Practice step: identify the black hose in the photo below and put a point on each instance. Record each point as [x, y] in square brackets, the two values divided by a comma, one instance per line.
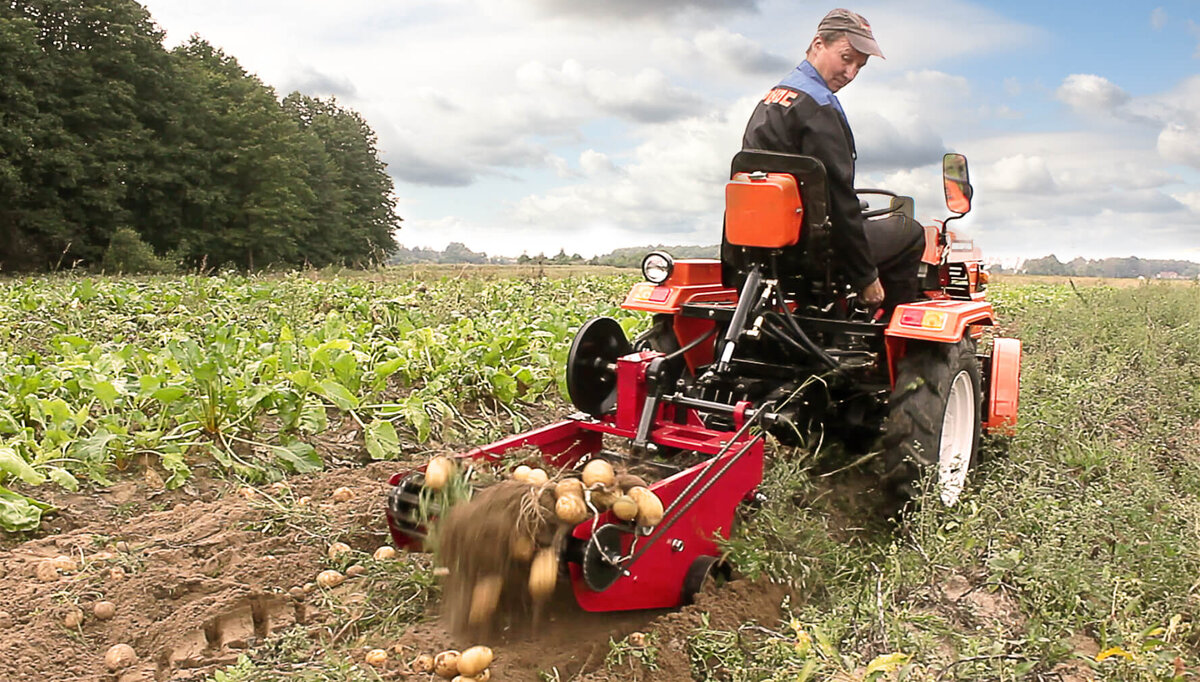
[692, 344]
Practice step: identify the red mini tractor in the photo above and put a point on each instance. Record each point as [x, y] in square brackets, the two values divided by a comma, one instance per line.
[766, 340]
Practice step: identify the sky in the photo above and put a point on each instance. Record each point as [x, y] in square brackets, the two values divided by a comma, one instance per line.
[530, 126]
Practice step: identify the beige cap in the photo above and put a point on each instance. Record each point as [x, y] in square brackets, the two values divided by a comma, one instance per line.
[856, 28]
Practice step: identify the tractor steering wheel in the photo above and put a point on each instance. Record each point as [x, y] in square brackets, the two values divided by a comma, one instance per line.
[879, 211]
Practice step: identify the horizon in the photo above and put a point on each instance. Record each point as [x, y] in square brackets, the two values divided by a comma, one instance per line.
[547, 124]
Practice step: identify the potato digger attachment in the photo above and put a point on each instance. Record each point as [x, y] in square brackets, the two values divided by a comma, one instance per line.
[768, 339]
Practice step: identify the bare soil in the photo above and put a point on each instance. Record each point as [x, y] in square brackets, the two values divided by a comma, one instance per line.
[203, 574]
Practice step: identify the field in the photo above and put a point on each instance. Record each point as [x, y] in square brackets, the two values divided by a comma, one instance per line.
[180, 440]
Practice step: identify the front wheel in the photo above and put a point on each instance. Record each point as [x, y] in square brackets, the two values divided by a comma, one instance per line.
[934, 420]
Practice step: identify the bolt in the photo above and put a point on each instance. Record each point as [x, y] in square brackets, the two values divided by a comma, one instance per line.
[676, 545]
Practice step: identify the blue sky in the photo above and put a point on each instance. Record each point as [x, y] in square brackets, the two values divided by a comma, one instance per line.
[533, 125]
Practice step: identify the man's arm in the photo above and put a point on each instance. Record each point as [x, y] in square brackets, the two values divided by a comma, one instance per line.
[824, 136]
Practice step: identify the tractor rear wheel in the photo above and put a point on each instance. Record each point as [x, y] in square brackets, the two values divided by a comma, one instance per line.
[934, 420]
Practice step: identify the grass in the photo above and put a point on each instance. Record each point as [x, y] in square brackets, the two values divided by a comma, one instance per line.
[1077, 550]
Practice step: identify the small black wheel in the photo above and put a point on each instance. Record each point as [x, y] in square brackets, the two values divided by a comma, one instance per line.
[934, 420]
[591, 379]
[705, 573]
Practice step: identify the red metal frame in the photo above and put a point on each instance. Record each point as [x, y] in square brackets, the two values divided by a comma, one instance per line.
[655, 579]
[1005, 383]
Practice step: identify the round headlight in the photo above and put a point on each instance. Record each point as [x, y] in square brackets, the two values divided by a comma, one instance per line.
[657, 266]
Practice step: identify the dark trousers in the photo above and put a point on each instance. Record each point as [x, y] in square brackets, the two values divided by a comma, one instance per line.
[897, 243]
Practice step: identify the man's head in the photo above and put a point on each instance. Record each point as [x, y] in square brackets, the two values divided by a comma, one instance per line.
[841, 47]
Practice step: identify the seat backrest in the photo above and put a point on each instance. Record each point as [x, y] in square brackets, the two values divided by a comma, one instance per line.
[801, 262]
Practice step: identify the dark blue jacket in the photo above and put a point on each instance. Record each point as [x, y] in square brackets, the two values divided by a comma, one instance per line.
[802, 116]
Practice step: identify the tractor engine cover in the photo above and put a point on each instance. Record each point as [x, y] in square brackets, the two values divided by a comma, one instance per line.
[763, 210]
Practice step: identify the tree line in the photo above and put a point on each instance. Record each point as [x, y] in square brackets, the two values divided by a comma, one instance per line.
[1111, 268]
[116, 152]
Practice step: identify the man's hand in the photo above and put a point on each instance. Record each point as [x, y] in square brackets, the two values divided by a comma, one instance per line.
[872, 294]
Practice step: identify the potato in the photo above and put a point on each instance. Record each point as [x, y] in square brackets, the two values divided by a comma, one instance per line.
[104, 610]
[6, 620]
[602, 498]
[303, 501]
[650, 508]
[598, 471]
[64, 563]
[520, 547]
[569, 486]
[445, 664]
[355, 571]
[484, 598]
[543, 573]
[330, 579]
[342, 494]
[484, 676]
[422, 664]
[73, 619]
[625, 508]
[438, 473]
[537, 477]
[571, 509]
[376, 657]
[46, 572]
[474, 661]
[637, 639]
[338, 549]
[461, 678]
[119, 656]
[521, 473]
[116, 574]
[627, 481]
[384, 553]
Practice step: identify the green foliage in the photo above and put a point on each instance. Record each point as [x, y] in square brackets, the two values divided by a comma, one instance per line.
[1088, 528]
[103, 129]
[127, 253]
[246, 371]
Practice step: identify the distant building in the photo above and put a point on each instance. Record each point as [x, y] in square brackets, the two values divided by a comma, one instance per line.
[1168, 274]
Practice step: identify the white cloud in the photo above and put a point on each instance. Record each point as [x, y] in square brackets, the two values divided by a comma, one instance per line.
[1021, 173]
[739, 53]
[1180, 144]
[594, 163]
[1158, 18]
[1089, 93]
[632, 10]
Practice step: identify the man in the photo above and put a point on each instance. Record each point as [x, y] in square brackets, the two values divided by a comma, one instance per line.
[802, 115]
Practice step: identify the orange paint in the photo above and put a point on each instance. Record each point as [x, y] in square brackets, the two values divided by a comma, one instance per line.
[765, 213]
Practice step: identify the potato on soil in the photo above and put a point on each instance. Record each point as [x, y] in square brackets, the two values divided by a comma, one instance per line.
[598, 471]
[377, 657]
[46, 572]
[438, 472]
[338, 549]
[73, 619]
[330, 578]
[355, 571]
[484, 676]
[445, 664]
[65, 563]
[342, 494]
[637, 639]
[474, 661]
[384, 553]
[543, 574]
[104, 610]
[119, 656]
[484, 598]
[422, 664]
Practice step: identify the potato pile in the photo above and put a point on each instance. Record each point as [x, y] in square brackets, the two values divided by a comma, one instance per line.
[501, 548]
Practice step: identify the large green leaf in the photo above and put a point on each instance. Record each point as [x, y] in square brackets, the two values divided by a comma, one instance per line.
[19, 513]
[299, 457]
[15, 465]
[382, 441]
[338, 394]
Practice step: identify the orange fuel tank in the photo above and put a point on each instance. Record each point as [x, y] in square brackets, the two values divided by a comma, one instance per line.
[763, 210]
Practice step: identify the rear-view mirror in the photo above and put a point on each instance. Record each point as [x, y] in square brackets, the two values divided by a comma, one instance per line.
[957, 183]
